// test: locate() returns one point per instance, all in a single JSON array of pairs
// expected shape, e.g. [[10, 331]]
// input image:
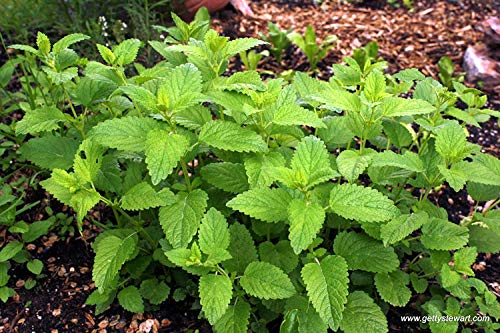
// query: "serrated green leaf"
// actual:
[[361, 314], [241, 248], [239, 45], [142, 97], [463, 259], [234, 104], [127, 133], [339, 99], [306, 220], [50, 152], [180, 220], [290, 322], [408, 160], [307, 317], [154, 291], [280, 255], [451, 142], [126, 51], [108, 177], [266, 281], [410, 74], [375, 86], [107, 55], [183, 258], [62, 76], [265, 204], [143, 196], [455, 175], [214, 232], [397, 133], [111, 253], [131, 300], [194, 117], [311, 160], [235, 319], [163, 151], [25, 48], [306, 86], [352, 163], [42, 119], [326, 285], [229, 177], [449, 278], [216, 292], [361, 203], [61, 185], [398, 107], [337, 132], [259, 168], [88, 161], [82, 201], [347, 75], [181, 88], [239, 81], [484, 239], [484, 169], [291, 115], [392, 287], [365, 253], [400, 227], [440, 234], [227, 135], [67, 41], [43, 43]]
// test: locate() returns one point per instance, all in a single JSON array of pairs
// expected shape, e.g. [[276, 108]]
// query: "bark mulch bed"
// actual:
[[416, 38]]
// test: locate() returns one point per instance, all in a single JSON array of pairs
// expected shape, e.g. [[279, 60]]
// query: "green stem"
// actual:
[[491, 206], [186, 175], [412, 238]]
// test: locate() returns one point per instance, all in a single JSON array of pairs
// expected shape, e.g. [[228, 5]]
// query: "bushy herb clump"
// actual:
[[305, 200]]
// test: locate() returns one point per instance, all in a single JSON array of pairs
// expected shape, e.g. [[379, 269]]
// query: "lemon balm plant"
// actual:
[[305, 204]]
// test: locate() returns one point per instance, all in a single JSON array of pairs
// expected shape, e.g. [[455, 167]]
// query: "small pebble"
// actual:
[[103, 324], [20, 283]]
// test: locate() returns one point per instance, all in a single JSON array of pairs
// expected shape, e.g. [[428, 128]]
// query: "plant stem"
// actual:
[[495, 203], [186, 175]]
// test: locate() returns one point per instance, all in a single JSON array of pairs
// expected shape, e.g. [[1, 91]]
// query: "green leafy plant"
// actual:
[[278, 39], [447, 71], [314, 52], [251, 59], [305, 203], [12, 206]]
